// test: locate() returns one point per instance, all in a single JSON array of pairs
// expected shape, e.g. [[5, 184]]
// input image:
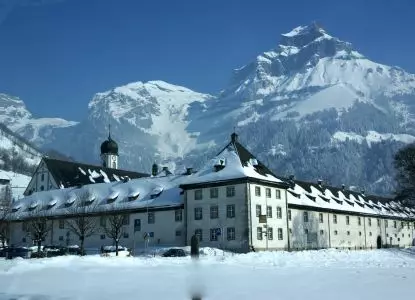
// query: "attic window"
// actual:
[[325, 198], [71, 199], [294, 194], [349, 202], [52, 202], [253, 162], [16, 208], [156, 192], [360, 204], [338, 201], [311, 197], [220, 164], [90, 199], [33, 205], [113, 196], [133, 195]]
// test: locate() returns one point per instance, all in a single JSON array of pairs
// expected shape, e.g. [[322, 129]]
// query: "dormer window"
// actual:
[[220, 164]]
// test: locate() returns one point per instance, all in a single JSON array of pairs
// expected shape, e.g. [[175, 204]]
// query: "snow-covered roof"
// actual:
[[233, 162], [151, 192], [319, 196]]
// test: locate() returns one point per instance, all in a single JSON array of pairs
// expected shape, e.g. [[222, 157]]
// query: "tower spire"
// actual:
[[109, 131]]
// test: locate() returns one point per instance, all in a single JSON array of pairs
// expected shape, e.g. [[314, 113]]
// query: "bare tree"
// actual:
[[82, 222], [38, 224], [5, 210], [113, 228]]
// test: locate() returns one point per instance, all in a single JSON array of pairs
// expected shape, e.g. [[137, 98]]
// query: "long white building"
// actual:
[[234, 202]]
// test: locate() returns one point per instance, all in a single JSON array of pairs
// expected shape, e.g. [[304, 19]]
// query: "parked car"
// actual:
[[174, 252], [52, 251], [13, 252]]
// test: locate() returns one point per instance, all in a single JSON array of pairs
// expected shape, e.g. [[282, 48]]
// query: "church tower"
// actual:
[[109, 152]]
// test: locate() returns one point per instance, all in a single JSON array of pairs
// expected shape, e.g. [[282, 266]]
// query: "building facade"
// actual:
[[234, 202]]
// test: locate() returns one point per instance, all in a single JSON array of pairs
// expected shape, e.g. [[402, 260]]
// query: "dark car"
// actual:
[[13, 252], [174, 253]]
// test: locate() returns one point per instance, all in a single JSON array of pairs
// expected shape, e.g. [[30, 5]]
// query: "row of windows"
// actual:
[[268, 233], [269, 211], [214, 193], [359, 220], [230, 192], [268, 193], [151, 219], [214, 212], [215, 233]]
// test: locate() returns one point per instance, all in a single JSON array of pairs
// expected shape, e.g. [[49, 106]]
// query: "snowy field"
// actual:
[[326, 274]]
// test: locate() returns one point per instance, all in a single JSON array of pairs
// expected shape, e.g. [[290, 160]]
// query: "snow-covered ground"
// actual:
[[326, 274]]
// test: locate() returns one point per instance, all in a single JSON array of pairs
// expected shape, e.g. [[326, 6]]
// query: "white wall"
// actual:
[[238, 222], [164, 230], [41, 178], [272, 221]]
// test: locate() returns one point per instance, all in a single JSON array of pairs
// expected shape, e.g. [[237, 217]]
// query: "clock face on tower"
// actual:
[[114, 158]]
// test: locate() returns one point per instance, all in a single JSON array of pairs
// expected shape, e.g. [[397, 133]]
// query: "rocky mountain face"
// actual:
[[314, 107]]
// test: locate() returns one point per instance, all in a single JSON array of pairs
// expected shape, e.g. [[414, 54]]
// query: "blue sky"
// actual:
[[56, 54]]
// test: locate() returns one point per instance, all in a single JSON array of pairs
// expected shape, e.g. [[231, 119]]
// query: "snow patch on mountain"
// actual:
[[373, 137]]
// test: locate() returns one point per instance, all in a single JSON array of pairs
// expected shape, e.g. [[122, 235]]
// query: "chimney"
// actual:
[[189, 171], [234, 137], [320, 182], [343, 187]]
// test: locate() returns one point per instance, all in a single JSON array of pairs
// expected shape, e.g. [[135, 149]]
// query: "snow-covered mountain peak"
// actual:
[[303, 35]]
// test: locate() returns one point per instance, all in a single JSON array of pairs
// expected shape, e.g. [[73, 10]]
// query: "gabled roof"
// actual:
[[234, 161], [68, 173]]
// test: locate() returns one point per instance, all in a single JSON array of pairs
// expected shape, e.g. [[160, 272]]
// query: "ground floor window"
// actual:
[[259, 233], [214, 232], [230, 233], [280, 236], [199, 234]]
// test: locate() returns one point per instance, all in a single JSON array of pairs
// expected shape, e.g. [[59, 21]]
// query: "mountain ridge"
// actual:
[[310, 103]]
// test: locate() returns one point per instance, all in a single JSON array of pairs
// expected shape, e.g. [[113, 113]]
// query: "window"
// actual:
[[214, 234], [402, 235], [369, 221], [386, 223], [102, 236], [370, 233], [305, 217], [230, 211], [407, 224], [360, 233], [279, 213], [394, 224], [42, 177], [280, 236], [102, 221], [348, 233], [359, 221], [61, 237], [268, 192], [126, 220], [114, 165], [257, 191], [402, 225], [151, 218], [178, 233], [258, 210], [305, 231], [321, 232], [269, 211], [259, 233], [320, 217], [335, 232], [137, 225], [24, 240], [289, 214], [291, 231], [335, 219], [277, 194], [198, 194], [126, 235], [230, 191], [178, 215], [378, 220], [347, 220], [214, 212], [214, 192], [199, 234], [198, 213], [61, 224], [42, 187], [270, 233], [230, 233]]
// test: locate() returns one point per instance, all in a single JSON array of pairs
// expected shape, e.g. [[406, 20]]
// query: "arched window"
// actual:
[[114, 165]]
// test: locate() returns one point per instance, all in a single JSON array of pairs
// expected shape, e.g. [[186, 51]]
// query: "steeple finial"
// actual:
[[109, 131], [234, 136]]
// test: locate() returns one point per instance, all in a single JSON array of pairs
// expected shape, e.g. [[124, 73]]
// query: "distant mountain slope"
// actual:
[[313, 106]]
